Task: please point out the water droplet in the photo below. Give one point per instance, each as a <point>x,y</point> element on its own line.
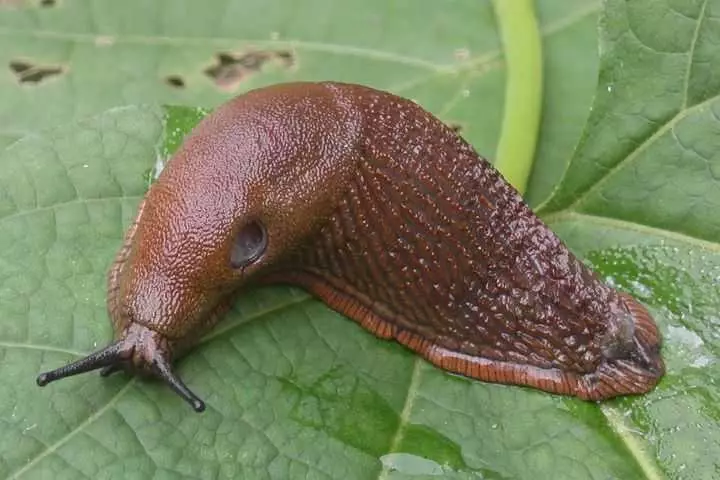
<point>411,464</point>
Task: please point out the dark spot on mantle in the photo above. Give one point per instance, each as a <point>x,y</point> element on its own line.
<point>48,3</point>
<point>230,68</point>
<point>28,72</point>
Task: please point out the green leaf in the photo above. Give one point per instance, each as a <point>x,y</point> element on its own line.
<point>639,200</point>
<point>295,390</point>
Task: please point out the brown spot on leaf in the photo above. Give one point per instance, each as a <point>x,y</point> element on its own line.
<point>230,69</point>
<point>11,3</point>
<point>28,72</point>
<point>175,81</point>
<point>286,58</point>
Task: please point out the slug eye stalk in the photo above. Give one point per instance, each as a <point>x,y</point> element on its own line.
<point>162,370</point>
<point>140,351</point>
<point>108,357</point>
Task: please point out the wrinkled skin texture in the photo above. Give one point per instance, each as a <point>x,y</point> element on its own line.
<point>248,161</point>
<point>381,211</point>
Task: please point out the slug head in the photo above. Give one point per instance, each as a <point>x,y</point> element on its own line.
<point>251,181</point>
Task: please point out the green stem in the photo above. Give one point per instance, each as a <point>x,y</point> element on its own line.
<point>523,94</point>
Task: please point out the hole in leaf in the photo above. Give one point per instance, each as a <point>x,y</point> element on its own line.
<point>12,3</point>
<point>175,81</point>
<point>230,69</point>
<point>27,72</point>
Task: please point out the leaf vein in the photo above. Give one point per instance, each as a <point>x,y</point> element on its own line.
<point>679,237</point>
<point>52,207</point>
<point>340,49</point>
<point>583,195</point>
<point>42,348</point>
<point>691,53</point>
<point>406,412</point>
<point>62,441</point>
<point>235,324</point>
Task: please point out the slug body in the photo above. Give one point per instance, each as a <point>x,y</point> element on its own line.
<point>374,206</point>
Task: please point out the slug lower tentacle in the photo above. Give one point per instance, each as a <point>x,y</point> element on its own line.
<point>385,214</point>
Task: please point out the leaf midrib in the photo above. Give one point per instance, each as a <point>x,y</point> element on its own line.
<point>620,224</point>
<point>631,442</point>
<point>405,414</point>
<point>64,439</point>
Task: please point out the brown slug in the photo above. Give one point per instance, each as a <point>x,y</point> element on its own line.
<point>380,210</point>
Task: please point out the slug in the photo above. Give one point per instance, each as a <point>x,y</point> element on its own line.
<point>381,211</point>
